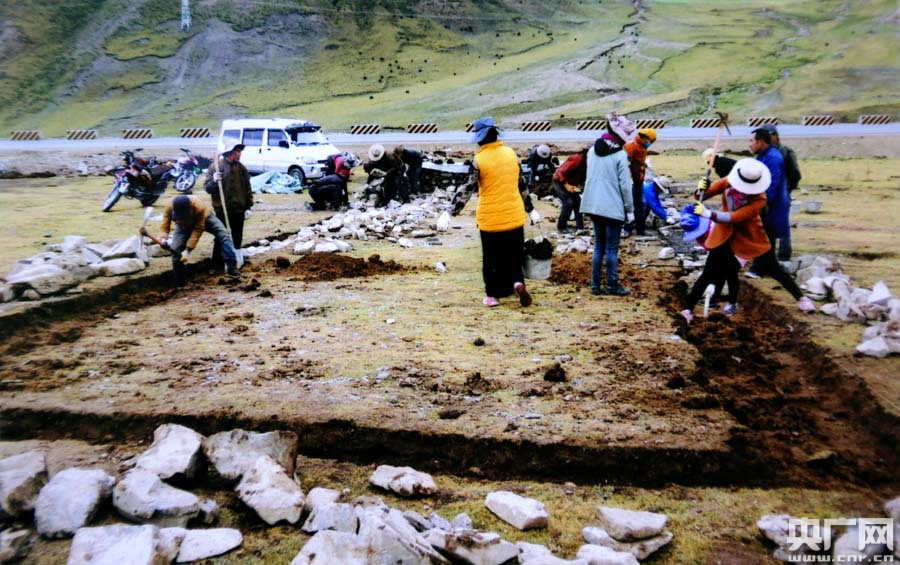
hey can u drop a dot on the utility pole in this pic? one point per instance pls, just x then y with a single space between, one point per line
185 15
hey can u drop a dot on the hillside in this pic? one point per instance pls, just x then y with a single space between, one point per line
110 64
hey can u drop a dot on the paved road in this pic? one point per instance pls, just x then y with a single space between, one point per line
459 137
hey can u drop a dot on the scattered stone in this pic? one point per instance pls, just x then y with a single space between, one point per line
326 247
630 525
209 511
440 267
232 453
128 247
520 512
304 247
404 481
846 548
116 267
600 555
119 544
892 509
176 451
69 501
21 479
439 522
472 546
6 293
44 279
141 496
640 549
329 547
268 490
334 516
72 243
461 522
320 496
667 253
14 544
417 521
875 347
203 544
389 538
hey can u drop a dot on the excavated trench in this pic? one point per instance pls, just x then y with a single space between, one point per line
802 419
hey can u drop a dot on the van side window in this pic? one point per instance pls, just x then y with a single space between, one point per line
230 138
253 137
274 136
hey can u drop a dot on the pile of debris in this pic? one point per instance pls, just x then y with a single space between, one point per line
260 467
865 540
63 266
823 279
275 183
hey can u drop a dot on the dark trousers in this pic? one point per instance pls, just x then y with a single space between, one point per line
767 265
180 236
236 219
721 267
328 192
640 218
502 258
569 202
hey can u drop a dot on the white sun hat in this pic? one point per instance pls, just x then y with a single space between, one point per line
750 176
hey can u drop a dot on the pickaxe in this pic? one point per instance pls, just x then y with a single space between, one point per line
723 124
153 238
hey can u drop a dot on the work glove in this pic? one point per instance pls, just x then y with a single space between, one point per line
701 210
629 217
670 220
185 256
535 216
247 214
217 176
443 221
167 242
702 186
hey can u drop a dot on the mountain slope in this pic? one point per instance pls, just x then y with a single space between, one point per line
110 64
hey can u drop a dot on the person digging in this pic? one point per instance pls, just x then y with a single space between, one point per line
192 217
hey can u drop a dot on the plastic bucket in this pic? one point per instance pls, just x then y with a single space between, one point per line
538 269
813 206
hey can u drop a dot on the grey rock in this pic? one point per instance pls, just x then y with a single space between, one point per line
21 479
6 293
600 555
319 496
404 481
531 551
640 549
72 243
141 496
14 545
846 549
520 512
69 501
99 249
875 347
203 544
389 538
270 492
119 544
170 541
335 516
232 453
417 521
630 525
209 511
304 247
439 522
117 267
329 547
472 546
892 509
176 451
30 294
880 294
45 279
461 521
128 247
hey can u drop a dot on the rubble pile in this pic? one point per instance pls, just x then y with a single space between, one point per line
63 266
167 524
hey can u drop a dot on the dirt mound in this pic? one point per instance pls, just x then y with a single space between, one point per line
575 268
332 266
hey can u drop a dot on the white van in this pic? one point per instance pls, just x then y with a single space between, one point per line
296 147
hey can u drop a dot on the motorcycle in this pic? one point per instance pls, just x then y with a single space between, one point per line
143 179
186 171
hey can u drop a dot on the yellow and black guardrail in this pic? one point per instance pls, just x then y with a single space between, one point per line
137 133
25 135
195 132
79 134
817 121
365 129
421 128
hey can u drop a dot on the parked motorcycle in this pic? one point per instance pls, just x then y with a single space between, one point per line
140 178
186 171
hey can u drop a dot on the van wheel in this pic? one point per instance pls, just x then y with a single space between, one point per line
297 173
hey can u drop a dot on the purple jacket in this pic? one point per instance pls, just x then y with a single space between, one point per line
777 216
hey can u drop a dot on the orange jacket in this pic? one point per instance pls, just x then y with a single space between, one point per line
197 223
637 160
738 223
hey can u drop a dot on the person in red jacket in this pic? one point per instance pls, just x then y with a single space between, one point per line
568 182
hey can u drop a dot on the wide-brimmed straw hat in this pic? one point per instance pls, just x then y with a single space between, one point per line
376 152
750 176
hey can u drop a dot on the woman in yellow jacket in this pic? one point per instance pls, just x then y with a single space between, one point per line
500 216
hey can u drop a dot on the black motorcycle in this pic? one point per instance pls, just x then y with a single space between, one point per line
145 180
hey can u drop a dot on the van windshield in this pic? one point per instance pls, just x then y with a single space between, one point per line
308 137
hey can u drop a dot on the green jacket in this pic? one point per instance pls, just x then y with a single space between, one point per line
235 185
791 168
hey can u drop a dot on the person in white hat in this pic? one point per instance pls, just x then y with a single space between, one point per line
737 235
540 160
386 165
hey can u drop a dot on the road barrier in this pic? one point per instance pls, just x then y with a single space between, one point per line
470 127
757 121
590 125
421 128
79 134
364 129
195 132
25 135
543 125
650 123
705 122
817 121
875 119
137 133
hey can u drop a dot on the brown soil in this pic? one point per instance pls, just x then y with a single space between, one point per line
330 266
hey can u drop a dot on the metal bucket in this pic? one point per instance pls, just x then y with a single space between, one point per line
538 269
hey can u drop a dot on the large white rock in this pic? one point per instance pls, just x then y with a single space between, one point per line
880 294
128 247
600 555
117 545
122 266
69 501
233 452
335 516
268 490
21 479
304 247
6 293
846 548
329 547
320 496
404 481
519 512
389 538
640 549
141 496
667 253
534 554
44 279
775 527
472 546
14 544
176 451
630 525
72 243
203 544
875 347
